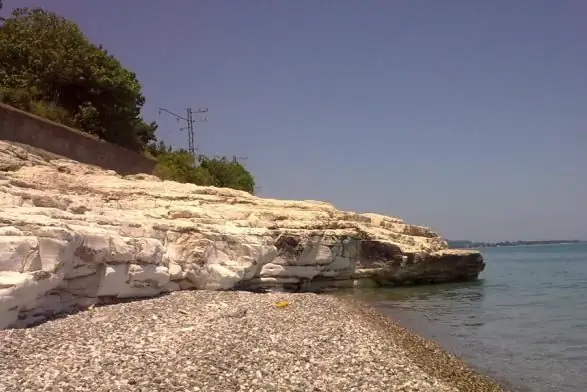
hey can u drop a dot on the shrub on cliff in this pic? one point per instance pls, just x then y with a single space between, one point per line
23 98
177 165
230 174
50 68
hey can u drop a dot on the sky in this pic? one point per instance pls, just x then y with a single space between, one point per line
468 116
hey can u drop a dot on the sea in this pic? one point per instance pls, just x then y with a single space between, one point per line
523 323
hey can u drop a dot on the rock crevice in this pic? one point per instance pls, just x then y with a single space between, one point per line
74 235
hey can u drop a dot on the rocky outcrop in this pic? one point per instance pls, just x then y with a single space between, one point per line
74 235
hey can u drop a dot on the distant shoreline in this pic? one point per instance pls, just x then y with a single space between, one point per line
508 244
522 245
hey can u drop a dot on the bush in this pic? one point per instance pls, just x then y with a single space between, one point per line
178 166
220 172
229 174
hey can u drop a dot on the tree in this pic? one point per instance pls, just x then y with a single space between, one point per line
157 149
177 165
229 174
49 65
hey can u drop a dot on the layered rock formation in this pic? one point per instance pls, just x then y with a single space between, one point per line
73 235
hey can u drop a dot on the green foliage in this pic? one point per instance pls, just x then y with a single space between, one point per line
154 150
229 174
50 68
177 165
26 99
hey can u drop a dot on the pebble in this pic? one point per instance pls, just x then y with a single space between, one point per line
229 341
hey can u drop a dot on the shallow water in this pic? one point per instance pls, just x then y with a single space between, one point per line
524 323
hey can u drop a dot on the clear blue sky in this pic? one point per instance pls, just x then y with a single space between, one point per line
467 116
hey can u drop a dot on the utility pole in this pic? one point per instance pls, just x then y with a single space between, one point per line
189 119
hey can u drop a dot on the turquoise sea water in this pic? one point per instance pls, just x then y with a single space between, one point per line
524 323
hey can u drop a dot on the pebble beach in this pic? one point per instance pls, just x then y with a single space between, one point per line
229 341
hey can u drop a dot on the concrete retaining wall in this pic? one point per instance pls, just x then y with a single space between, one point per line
25 128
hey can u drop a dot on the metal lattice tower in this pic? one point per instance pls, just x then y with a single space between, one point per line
236 159
189 119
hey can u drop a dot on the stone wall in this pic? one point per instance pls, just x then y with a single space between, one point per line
30 130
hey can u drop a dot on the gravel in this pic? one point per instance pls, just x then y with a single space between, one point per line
229 341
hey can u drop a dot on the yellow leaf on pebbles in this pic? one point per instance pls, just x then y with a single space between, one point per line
281 304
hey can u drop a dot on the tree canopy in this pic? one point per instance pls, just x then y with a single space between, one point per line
50 68
177 165
229 174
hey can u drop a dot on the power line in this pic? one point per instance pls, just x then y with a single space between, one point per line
189 119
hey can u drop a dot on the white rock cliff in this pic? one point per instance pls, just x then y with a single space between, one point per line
74 235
